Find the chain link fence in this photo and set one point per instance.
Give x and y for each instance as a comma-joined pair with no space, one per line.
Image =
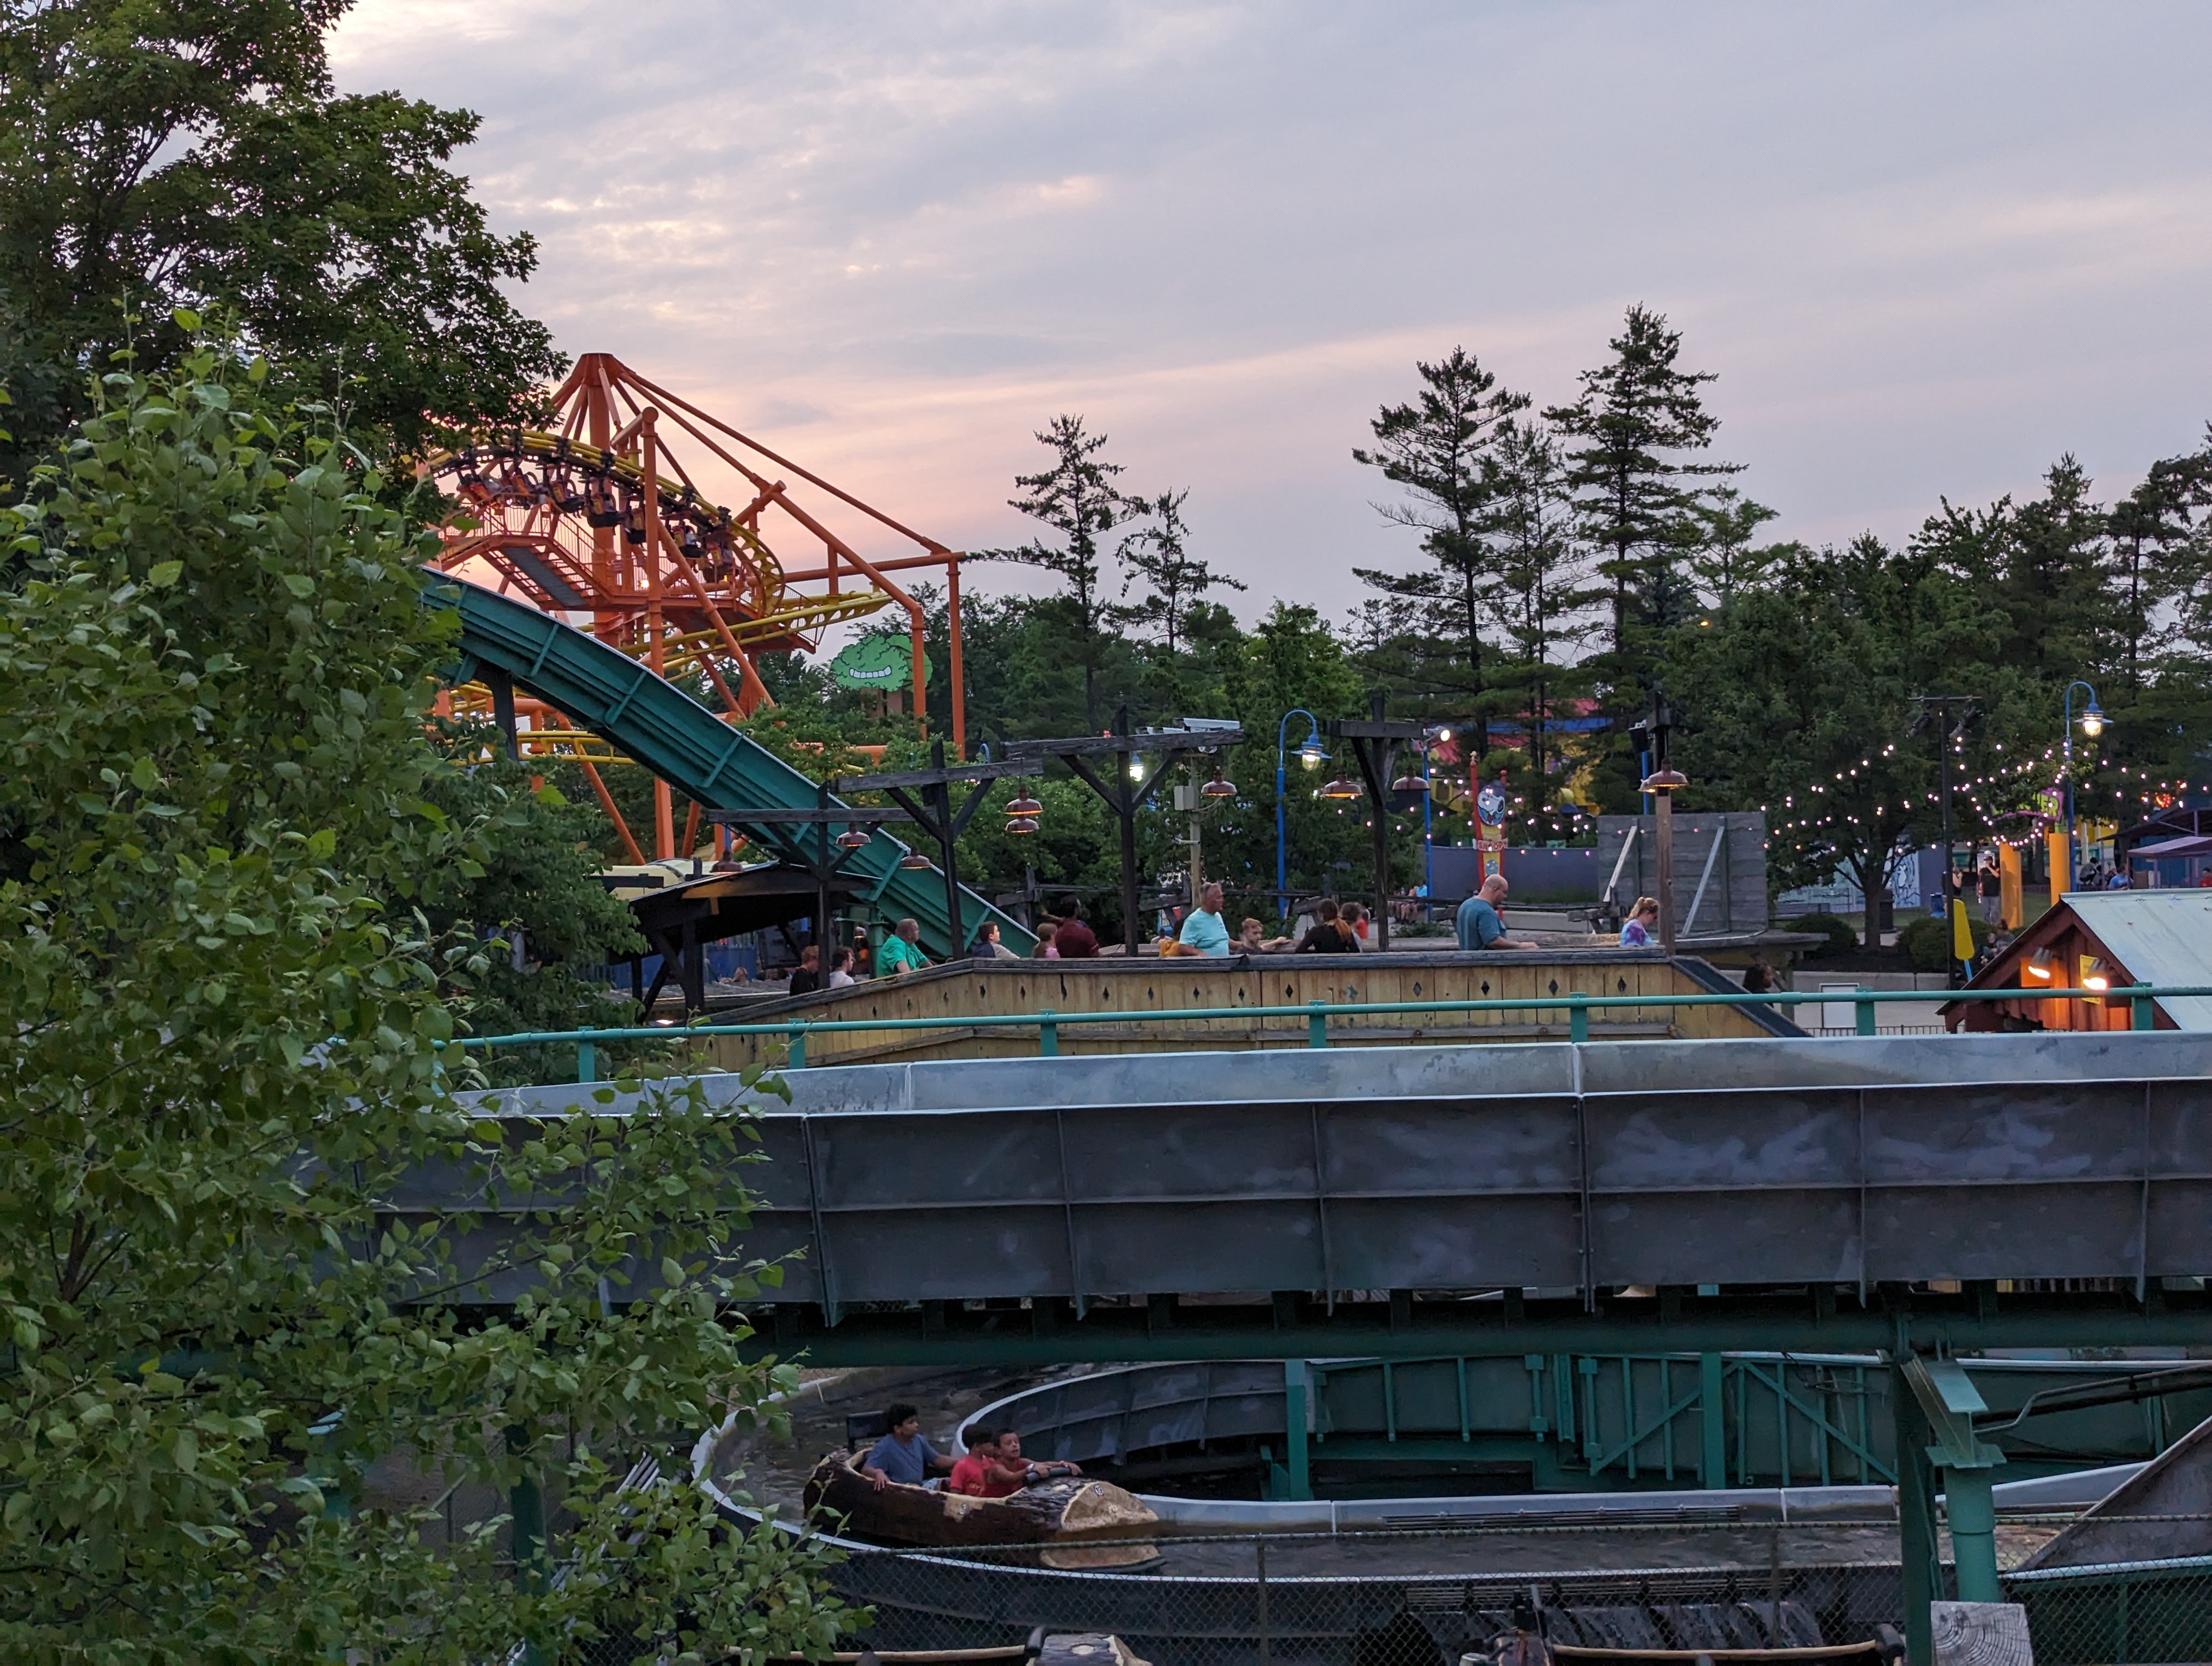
2148,1611
1426,1598
1400,1598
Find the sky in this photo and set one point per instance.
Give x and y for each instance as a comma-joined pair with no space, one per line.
1926,249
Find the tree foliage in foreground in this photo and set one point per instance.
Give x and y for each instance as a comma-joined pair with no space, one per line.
164,153
221,1012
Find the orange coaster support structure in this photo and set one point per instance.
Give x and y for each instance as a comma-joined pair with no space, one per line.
599,521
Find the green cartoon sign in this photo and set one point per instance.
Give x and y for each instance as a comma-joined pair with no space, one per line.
877,662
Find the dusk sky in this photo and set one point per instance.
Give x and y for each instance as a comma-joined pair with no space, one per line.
1927,249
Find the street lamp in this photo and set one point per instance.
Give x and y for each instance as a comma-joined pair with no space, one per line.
1311,755
2093,725
1662,784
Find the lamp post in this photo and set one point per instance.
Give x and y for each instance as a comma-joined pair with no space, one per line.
2093,725
1661,784
1312,756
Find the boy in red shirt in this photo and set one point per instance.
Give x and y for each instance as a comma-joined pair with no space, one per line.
979,1473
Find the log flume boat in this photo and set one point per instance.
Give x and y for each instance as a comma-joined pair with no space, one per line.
1073,1524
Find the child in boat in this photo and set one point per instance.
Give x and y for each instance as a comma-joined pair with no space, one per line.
902,1455
1013,1463
980,1474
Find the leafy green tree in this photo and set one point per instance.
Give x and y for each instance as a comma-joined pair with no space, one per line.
531,892
1439,450
1076,499
1636,486
1799,698
215,666
163,153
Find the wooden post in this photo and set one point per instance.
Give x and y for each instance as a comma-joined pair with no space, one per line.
1665,844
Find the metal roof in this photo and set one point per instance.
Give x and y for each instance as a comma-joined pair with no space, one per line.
2162,936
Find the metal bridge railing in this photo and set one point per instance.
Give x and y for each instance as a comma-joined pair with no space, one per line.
2139,999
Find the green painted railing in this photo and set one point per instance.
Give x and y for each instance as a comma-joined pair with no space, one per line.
1048,1024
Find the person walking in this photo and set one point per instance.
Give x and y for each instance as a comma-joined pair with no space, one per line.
1204,932
1479,924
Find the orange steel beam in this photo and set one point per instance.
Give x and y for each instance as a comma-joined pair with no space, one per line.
614,814
682,407
690,831
638,579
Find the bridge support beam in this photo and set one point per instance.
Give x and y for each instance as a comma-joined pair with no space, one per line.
1296,1388
1712,1444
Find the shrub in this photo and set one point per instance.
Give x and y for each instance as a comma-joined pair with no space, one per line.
1842,937
1928,941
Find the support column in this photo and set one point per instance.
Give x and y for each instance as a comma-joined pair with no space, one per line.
1295,1376
526,1505
1972,1515
1916,1519
1712,1400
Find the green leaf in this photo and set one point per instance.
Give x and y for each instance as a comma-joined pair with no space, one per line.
163,573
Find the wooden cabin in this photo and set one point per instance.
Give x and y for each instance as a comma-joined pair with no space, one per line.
2112,938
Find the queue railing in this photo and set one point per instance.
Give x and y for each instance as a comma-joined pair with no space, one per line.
2139,999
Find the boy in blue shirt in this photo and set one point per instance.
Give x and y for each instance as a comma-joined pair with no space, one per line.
903,1455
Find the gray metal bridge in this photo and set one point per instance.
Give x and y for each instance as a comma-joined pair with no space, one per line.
1892,1193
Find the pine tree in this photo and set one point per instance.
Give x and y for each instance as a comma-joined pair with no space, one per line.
1541,595
2150,542
1176,581
1439,450
1726,561
1638,497
1076,497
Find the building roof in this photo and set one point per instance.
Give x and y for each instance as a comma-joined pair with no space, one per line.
2191,844
2161,937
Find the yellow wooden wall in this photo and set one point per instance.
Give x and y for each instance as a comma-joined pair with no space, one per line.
1151,987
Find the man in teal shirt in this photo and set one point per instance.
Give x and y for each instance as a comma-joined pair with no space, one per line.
1480,925
899,954
1206,931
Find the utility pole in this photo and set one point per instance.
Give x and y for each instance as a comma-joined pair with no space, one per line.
1659,786
1130,789
933,812
1946,733
1376,741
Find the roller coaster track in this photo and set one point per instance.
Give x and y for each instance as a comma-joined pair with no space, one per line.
605,690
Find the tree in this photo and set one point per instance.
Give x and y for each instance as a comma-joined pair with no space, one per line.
1076,497
1541,592
1635,491
532,894
1726,560
1799,697
1437,449
215,677
166,152
1176,581
2151,533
